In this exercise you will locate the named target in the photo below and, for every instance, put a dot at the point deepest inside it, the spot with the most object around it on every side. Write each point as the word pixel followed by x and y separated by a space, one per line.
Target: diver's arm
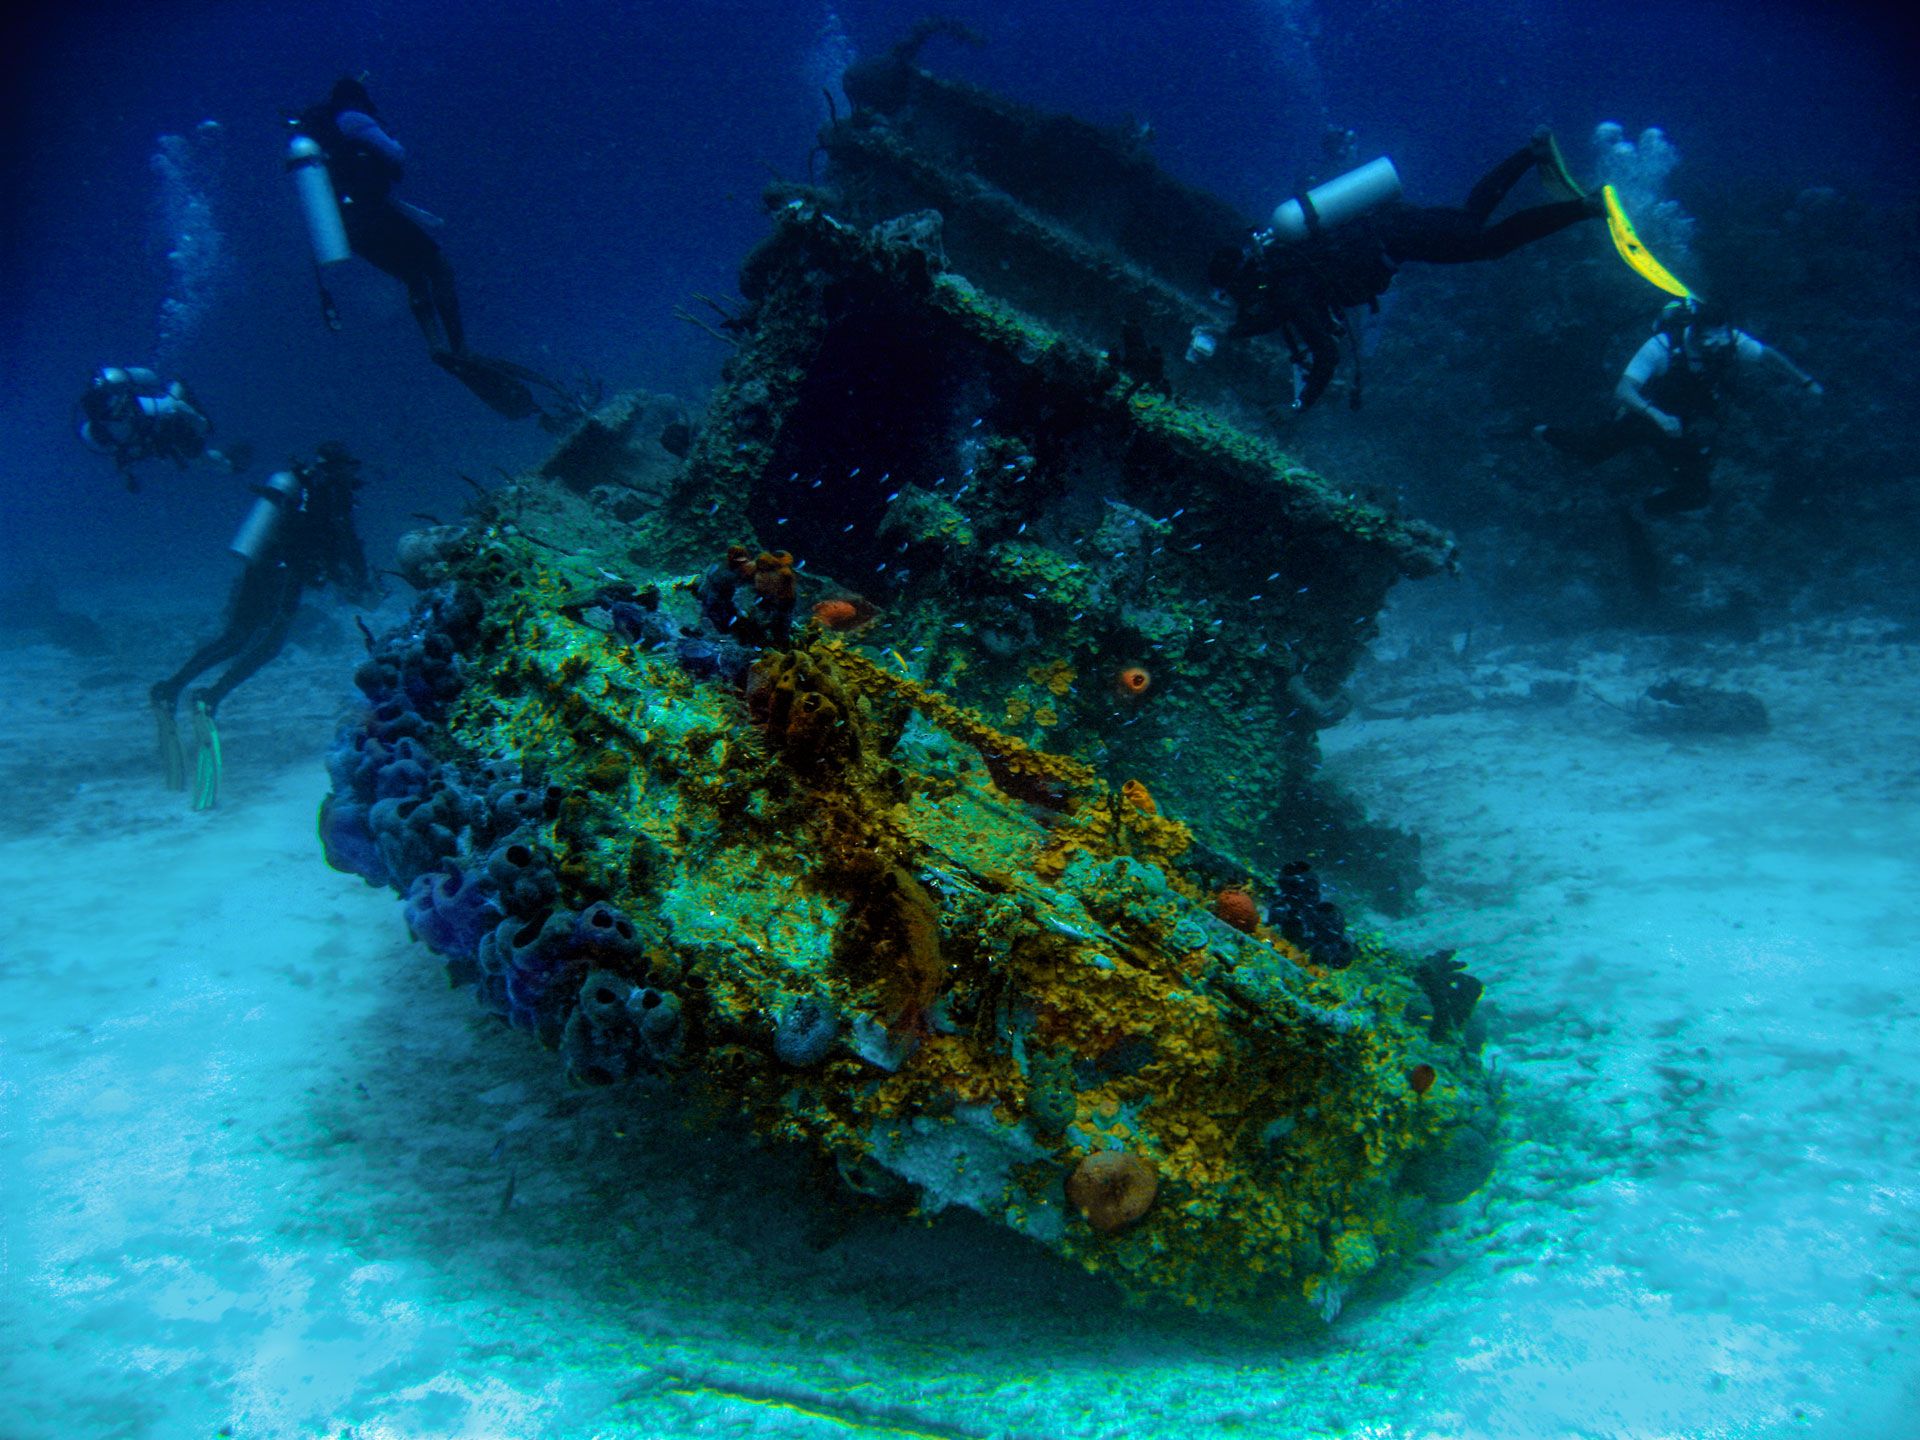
pixel 361 128
pixel 1632 397
pixel 1649 360
pixel 1768 355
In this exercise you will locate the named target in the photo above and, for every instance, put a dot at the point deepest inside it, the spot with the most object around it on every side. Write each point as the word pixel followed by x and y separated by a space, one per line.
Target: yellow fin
pixel 1633 252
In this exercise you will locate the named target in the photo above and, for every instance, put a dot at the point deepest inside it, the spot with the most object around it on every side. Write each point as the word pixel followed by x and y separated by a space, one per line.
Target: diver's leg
pixel 420 302
pixel 1690 470
pixel 253 597
pixel 1594 444
pixel 1643 566
pixel 1493 186
pixel 245 607
pixel 446 300
pixel 261 644
pixel 266 643
pixel 375 236
pixel 165 700
pixel 394 245
pixel 1430 234
pixel 166 724
pixel 1323 345
pixel 1523 227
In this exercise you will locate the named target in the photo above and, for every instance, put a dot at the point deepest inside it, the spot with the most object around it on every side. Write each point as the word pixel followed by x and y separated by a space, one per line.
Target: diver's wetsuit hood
pixel 349 93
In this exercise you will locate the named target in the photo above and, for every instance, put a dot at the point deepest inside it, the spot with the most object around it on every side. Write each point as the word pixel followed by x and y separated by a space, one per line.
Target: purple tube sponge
pixel 354 764
pixel 618 1029
pixel 656 1014
pixel 606 936
pixel 601 1042
pixel 394 719
pixel 521 874
pixel 408 770
pixel 413 834
pixel 348 841
pixel 543 970
pixel 509 805
pixel 449 912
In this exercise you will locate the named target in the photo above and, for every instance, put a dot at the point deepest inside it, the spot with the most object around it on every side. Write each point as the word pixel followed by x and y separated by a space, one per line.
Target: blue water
pixel 598 165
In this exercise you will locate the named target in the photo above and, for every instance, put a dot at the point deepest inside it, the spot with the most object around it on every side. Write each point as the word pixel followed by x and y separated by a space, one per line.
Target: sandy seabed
pixel 263 1174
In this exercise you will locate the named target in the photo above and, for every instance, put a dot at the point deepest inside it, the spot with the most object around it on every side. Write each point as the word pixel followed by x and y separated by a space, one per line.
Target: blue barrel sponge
pixel 408 770
pixel 348 841
pixel 449 912
pixel 354 764
pixel 394 719
pixel 606 936
pixel 543 963
pixel 512 804
pixel 656 1013
pixel 412 837
pixel 521 874
pixel 601 1043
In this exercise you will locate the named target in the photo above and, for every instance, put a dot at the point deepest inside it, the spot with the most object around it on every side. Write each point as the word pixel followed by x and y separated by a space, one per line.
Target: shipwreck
pixel 913 749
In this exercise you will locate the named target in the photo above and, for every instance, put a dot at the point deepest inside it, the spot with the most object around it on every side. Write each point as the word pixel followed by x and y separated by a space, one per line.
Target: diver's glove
pixel 1671 426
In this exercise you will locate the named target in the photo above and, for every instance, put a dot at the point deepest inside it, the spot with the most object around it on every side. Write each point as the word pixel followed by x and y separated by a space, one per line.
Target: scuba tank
pixel 1336 202
pixel 326 232
pixel 279 493
pixel 136 378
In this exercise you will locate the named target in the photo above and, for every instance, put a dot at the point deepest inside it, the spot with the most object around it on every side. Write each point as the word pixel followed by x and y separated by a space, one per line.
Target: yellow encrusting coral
pixel 1018 974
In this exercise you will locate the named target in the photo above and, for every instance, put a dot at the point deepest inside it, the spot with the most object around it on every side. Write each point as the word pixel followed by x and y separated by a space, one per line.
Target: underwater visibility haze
pixel 1035 722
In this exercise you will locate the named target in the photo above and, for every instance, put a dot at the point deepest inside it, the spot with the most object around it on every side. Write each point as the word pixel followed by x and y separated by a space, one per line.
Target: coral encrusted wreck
pixel 799 770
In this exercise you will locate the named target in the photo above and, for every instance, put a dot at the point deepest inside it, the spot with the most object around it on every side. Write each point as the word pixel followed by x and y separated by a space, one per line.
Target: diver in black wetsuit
pixel 1302 289
pixel 300 533
pixel 364 162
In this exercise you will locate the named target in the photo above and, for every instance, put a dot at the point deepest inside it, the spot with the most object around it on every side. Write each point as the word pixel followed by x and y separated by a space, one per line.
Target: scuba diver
pixel 299 533
pixel 1667 400
pixel 344 166
pixel 1337 247
pixel 129 413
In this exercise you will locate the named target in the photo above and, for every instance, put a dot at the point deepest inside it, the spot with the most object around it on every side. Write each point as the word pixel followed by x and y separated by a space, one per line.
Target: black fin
pixel 496 383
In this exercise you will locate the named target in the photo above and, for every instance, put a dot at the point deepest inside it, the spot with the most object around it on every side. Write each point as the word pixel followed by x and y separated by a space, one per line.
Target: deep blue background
pixel 600 163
